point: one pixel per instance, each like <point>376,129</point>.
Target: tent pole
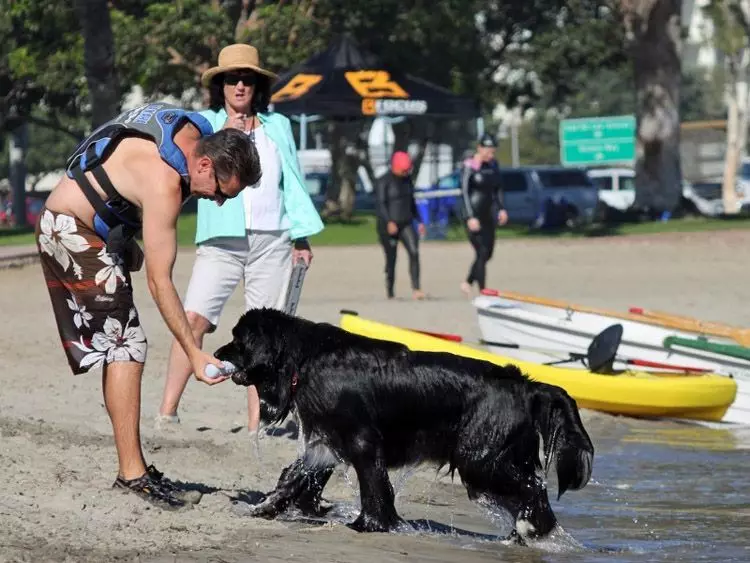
<point>303,132</point>
<point>480,126</point>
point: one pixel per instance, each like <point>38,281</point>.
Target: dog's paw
<point>317,509</point>
<point>266,509</point>
<point>516,539</point>
<point>367,523</point>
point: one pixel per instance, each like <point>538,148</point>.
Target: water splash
<point>255,444</point>
<point>499,517</point>
<point>557,541</point>
<point>399,482</point>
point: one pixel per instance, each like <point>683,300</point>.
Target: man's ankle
<point>135,472</point>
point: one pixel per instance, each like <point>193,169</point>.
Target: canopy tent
<point>344,81</point>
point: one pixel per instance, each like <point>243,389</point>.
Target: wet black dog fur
<point>376,405</point>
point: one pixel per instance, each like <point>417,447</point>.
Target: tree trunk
<point>737,122</point>
<point>17,156</point>
<point>99,59</point>
<point>653,28</point>
<point>341,191</point>
<point>732,155</point>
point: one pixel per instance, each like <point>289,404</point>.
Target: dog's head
<point>262,351</point>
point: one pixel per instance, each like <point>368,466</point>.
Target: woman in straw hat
<point>257,236</point>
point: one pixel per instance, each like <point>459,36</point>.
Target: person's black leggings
<point>407,234</point>
<point>483,242</point>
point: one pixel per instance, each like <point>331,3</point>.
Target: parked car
<point>539,196</point>
<point>705,197</point>
<point>616,186</point>
<point>617,191</point>
<point>318,184</point>
<point>34,204</point>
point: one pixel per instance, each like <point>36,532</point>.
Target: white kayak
<point>547,333</point>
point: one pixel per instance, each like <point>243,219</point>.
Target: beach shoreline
<point>56,443</point>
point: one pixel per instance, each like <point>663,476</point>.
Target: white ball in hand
<point>213,372</point>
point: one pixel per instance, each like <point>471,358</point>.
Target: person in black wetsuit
<point>482,194</point>
<point>397,210</point>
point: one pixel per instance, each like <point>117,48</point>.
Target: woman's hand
<point>473,224</point>
<point>502,217</point>
<point>302,251</point>
<point>237,121</point>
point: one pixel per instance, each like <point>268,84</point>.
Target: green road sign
<point>597,140</point>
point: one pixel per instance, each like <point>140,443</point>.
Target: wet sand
<point>58,457</point>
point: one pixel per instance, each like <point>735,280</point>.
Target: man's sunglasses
<point>247,78</point>
<point>218,193</point>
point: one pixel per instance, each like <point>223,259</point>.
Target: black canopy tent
<point>346,82</point>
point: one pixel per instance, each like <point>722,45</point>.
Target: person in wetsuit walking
<point>397,210</point>
<point>482,194</point>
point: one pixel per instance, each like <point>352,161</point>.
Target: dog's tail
<point>566,442</point>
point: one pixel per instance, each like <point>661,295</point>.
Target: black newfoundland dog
<point>376,405</point>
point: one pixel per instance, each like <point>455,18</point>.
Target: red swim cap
<point>401,161</point>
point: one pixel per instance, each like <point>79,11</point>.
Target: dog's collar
<point>295,381</point>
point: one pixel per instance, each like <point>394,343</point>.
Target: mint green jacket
<point>229,219</point>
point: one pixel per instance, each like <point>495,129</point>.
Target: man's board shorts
<point>91,294</point>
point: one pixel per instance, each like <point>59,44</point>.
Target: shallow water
<point>660,491</point>
<point>663,491</point>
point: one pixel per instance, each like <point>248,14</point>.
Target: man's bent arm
<point>160,249</point>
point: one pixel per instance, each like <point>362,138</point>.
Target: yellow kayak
<point>633,393</point>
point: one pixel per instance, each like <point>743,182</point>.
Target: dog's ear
<point>286,363</point>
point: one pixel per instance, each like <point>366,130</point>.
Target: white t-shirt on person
<point>264,200</point>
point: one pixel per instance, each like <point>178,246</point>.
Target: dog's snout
<point>226,352</point>
<point>240,378</point>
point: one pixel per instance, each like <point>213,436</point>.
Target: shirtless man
<point>132,173</point>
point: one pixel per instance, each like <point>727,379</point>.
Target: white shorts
<point>263,259</point>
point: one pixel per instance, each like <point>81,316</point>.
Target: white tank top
<point>264,200</point>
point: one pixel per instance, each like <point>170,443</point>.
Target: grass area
<point>12,236</point>
<point>361,230</point>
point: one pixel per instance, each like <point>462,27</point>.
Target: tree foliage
<point>561,58</point>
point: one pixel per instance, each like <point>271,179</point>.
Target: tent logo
<point>393,107</point>
<point>375,84</point>
<point>296,87</point>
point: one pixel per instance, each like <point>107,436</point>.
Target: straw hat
<point>236,57</point>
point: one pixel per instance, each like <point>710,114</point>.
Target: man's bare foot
<point>466,288</point>
<point>418,295</point>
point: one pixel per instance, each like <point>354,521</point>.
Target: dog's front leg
<point>308,501</point>
<point>300,485</point>
<point>378,512</point>
<point>288,488</point>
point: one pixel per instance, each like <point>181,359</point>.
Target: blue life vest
<point>158,122</point>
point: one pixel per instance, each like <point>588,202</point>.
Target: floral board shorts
<point>91,294</point>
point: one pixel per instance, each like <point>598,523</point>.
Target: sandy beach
<point>57,453</point>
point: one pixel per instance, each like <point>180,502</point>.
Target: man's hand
<point>473,224</point>
<point>302,250</point>
<point>392,228</point>
<point>199,361</point>
<point>502,217</point>
<point>422,230</point>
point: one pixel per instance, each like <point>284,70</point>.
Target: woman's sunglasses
<point>234,78</point>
